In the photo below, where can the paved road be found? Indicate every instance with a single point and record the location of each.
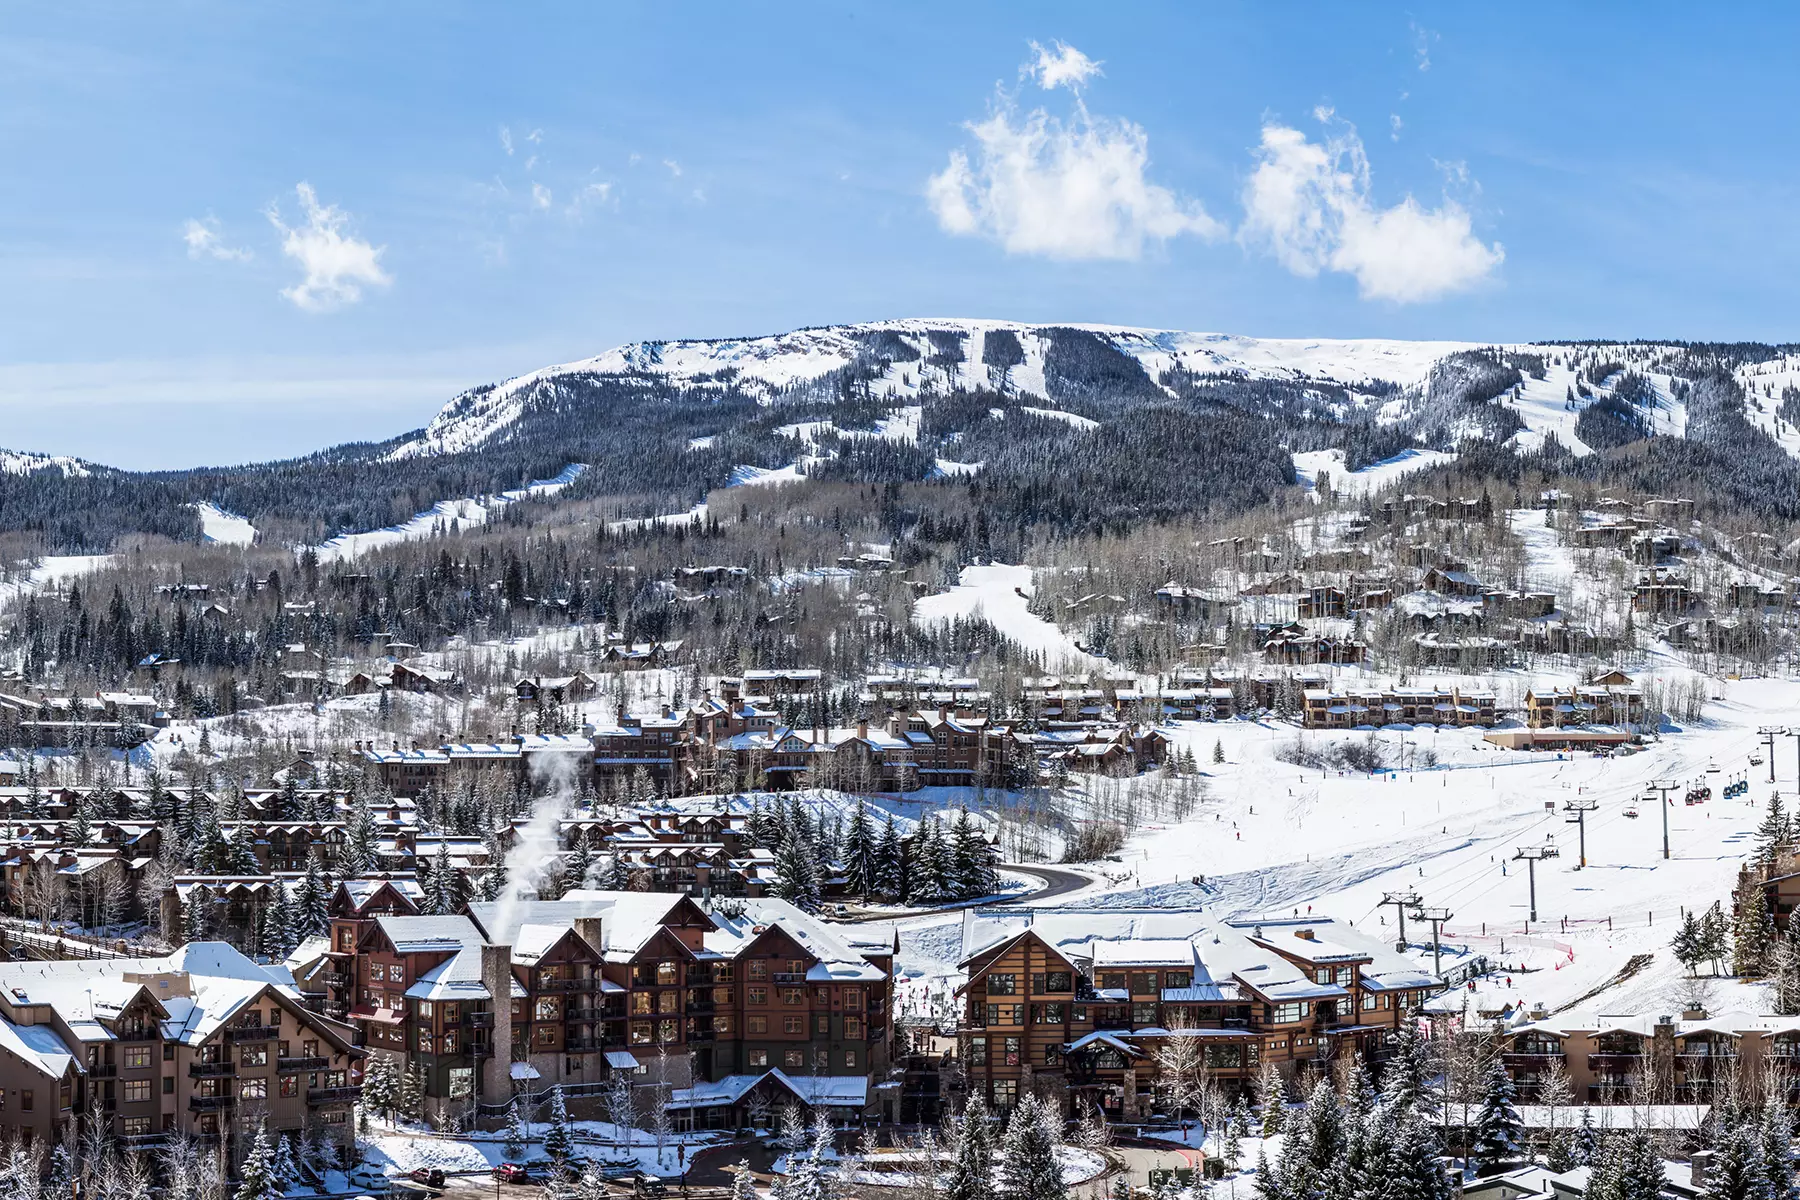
(1057, 882)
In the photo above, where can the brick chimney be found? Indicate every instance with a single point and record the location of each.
(1700, 1165)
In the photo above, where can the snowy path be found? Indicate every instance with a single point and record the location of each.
(999, 594)
(446, 516)
(229, 529)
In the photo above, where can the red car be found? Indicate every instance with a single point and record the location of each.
(511, 1172)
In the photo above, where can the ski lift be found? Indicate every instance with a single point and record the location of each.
(1712, 768)
(1756, 760)
(1632, 812)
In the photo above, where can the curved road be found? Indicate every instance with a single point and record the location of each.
(1057, 882)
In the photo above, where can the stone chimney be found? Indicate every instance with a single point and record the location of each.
(1305, 935)
(862, 729)
(496, 976)
(1700, 1165)
(588, 930)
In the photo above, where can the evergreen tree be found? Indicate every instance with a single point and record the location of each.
(1772, 834)
(743, 1183)
(256, 1177)
(1271, 1093)
(1405, 1076)
(1498, 1132)
(313, 918)
(1689, 943)
(1777, 1132)
(859, 853)
(1738, 1171)
(1413, 1168)
(196, 914)
(796, 873)
(515, 1131)
(972, 1172)
(285, 1169)
(1028, 1166)
(889, 863)
(380, 1090)
(1754, 931)
(442, 900)
(1584, 1147)
(559, 1140)
(1638, 1173)
(1218, 754)
(409, 1098)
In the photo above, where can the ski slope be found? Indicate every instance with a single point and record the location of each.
(1000, 595)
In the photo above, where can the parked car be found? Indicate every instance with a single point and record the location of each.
(431, 1177)
(512, 1172)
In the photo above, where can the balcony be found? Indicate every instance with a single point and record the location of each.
(480, 1049)
(699, 1006)
(102, 1070)
(787, 977)
(335, 978)
(1613, 1062)
(253, 1033)
(479, 1020)
(210, 1103)
(336, 1095)
(581, 1045)
(211, 1070)
(148, 1033)
(565, 985)
(303, 1064)
(582, 1014)
(143, 1141)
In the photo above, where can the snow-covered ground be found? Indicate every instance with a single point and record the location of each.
(446, 516)
(1308, 464)
(217, 525)
(1000, 594)
(1275, 839)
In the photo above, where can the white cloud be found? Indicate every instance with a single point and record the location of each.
(540, 196)
(1395, 125)
(205, 241)
(1060, 65)
(1422, 42)
(506, 142)
(334, 264)
(1308, 203)
(535, 136)
(531, 163)
(674, 167)
(1076, 189)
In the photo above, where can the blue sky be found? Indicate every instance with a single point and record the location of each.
(231, 232)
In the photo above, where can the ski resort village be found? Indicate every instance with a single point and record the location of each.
(1413, 808)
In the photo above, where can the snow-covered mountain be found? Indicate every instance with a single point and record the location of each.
(924, 355)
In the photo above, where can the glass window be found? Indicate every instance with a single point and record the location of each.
(759, 1058)
(757, 1024)
(1049, 1014)
(253, 1089)
(849, 1058)
(758, 995)
(1002, 985)
(668, 1002)
(1178, 979)
(548, 1008)
(759, 969)
(666, 974)
(425, 1008)
(793, 1024)
(978, 1052)
(462, 1081)
(137, 1057)
(793, 1058)
(853, 1028)
(668, 1031)
(1009, 1051)
(290, 1085)
(137, 1090)
(853, 997)
(137, 1126)
(256, 1056)
(793, 996)
(821, 1025)
(640, 1033)
(1143, 983)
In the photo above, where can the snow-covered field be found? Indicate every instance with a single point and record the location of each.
(1000, 594)
(446, 516)
(217, 525)
(1308, 464)
(1276, 839)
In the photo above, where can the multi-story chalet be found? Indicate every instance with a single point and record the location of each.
(1591, 704)
(1697, 1059)
(1323, 708)
(203, 1042)
(705, 1010)
(1087, 996)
